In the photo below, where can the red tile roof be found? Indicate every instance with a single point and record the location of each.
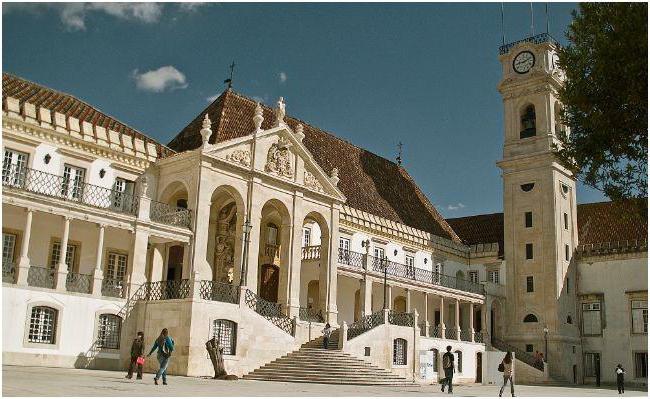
(371, 183)
(479, 229)
(41, 96)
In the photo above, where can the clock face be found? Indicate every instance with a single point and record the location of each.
(523, 62)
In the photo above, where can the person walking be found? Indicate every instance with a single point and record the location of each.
(327, 332)
(448, 367)
(137, 353)
(620, 379)
(506, 368)
(165, 345)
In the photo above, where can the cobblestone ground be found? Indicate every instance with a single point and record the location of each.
(43, 381)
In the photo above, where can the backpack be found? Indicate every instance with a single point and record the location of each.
(165, 350)
(447, 361)
(501, 367)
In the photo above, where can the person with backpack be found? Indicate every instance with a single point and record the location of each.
(620, 379)
(137, 359)
(165, 345)
(506, 368)
(327, 332)
(448, 367)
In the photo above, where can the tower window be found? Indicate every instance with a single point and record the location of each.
(527, 187)
(566, 221)
(529, 219)
(530, 318)
(529, 251)
(566, 252)
(529, 284)
(528, 123)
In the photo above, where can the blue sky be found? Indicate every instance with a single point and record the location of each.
(422, 74)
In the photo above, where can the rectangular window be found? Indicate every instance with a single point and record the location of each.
(73, 180)
(8, 248)
(379, 253)
(409, 260)
(529, 347)
(225, 332)
(493, 276)
(529, 251)
(641, 365)
(590, 364)
(566, 221)
(591, 319)
(529, 284)
(306, 236)
(122, 196)
(116, 267)
(14, 166)
(567, 285)
(473, 276)
(529, 219)
(271, 235)
(566, 252)
(639, 317)
(70, 255)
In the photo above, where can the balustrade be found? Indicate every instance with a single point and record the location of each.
(350, 258)
(272, 251)
(401, 318)
(311, 252)
(365, 323)
(171, 215)
(221, 292)
(478, 337)
(270, 311)
(465, 335)
(167, 289)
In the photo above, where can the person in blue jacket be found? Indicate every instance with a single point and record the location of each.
(165, 345)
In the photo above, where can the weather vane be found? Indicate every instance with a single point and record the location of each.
(399, 153)
(232, 69)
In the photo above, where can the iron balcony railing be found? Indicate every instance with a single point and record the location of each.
(401, 318)
(350, 258)
(166, 289)
(423, 329)
(221, 292)
(422, 275)
(537, 39)
(365, 323)
(171, 215)
(113, 287)
(478, 337)
(310, 314)
(82, 283)
(519, 354)
(8, 272)
(450, 333)
(61, 187)
(311, 252)
(465, 335)
(270, 311)
(435, 332)
(41, 277)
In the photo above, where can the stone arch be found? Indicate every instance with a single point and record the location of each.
(399, 304)
(531, 318)
(460, 275)
(173, 193)
(527, 121)
(318, 269)
(225, 234)
(274, 251)
(497, 319)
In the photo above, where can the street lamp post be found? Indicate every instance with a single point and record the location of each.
(546, 344)
(247, 227)
(384, 262)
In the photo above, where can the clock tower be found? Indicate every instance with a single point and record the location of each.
(539, 210)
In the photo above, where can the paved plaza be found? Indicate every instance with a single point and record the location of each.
(42, 381)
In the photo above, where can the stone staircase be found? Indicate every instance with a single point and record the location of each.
(313, 364)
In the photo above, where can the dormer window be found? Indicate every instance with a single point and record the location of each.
(528, 126)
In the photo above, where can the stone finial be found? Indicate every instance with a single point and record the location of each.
(143, 186)
(334, 176)
(206, 130)
(258, 118)
(280, 112)
(299, 132)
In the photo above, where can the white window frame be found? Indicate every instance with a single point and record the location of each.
(493, 276)
(14, 164)
(592, 306)
(72, 185)
(472, 275)
(71, 254)
(9, 241)
(639, 314)
(379, 252)
(109, 330)
(306, 236)
(117, 264)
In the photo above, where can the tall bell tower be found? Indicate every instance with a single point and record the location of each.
(539, 207)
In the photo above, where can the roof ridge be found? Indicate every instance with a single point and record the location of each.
(55, 91)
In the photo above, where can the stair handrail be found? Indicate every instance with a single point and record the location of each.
(519, 354)
(365, 324)
(270, 311)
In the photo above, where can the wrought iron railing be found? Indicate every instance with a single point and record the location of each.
(113, 287)
(450, 333)
(272, 251)
(350, 258)
(75, 282)
(401, 318)
(8, 272)
(478, 337)
(171, 215)
(221, 292)
(309, 314)
(50, 185)
(465, 335)
(423, 329)
(167, 289)
(311, 252)
(519, 354)
(537, 39)
(270, 311)
(435, 332)
(41, 277)
(365, 323)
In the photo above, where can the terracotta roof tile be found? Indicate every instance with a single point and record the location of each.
(480, 229)
(41, 96)
(371, 183)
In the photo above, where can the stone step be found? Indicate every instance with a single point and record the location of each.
(325, 369)
(338, 361)
(336, 364)
(330, 381)
(319, 374)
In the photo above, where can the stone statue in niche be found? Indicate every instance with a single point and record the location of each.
(224, 250)
(278, 160)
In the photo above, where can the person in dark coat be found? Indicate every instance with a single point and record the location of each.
(620, 379)
(448, 367)
(137, 350)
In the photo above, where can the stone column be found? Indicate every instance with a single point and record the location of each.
(138, 260)
(408, 300)
(187, 273)
(365, 296)
(485, 328)
(457, 319)
(199, 250)
(286, 249)
(22, 271)
(329, 261)
(252, 261)
(98, 273)
(389, 296)
(62, 267)
(157, 262)
(426, 314)
(471, 321)
(295, 259)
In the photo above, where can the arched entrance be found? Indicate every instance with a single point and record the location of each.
(225, 235)
(313, 292)
(269, 282)
(314, 262)
(175, 262)
(273, 252)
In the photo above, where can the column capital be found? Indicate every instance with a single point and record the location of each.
(101, 225)
(29, 209)
(67, 218)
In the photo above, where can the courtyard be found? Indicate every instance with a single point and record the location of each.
(45, 381)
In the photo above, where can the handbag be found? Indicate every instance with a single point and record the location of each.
(501, 367)
(140, 360)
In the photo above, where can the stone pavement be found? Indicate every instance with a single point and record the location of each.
(43, 381)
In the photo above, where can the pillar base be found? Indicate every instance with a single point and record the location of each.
(332, 318)
(21, 273)
(61, 277)
(293, 311)
(98, 279)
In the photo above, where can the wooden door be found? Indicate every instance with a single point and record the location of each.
(269, 280)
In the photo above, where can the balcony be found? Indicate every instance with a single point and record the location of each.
(170, 215)
(350, 258)
(272, 251)
(311, 252)
(53, 186)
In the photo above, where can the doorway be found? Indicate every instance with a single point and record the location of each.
(479, 367)
(175, 263)
(269, 281)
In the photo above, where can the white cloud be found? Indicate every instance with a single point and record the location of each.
(455, 207)
(191, 6)
(261, 99)
(159, 80)
(283, 77)
(212, 98)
